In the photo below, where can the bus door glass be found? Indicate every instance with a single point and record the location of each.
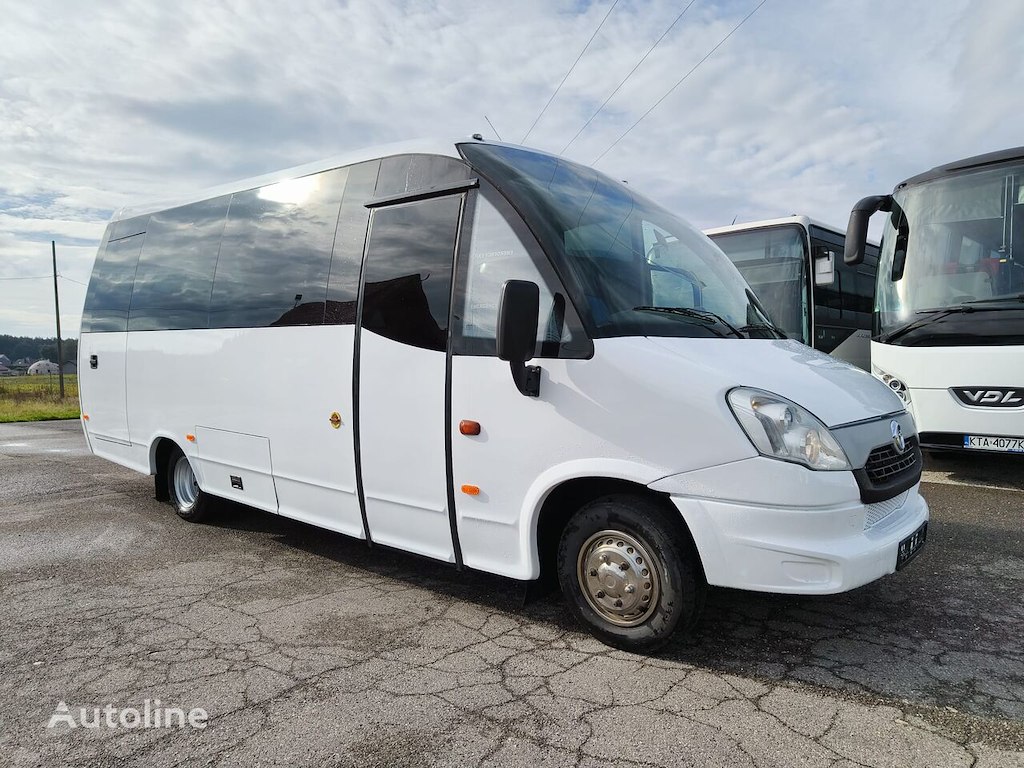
(401, 347)
(842, 309)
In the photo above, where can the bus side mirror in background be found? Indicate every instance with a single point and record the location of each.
(899, 258)
(517, 332)
(824, 265)
(857, 230)
(899, 254)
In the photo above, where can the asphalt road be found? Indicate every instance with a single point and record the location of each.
(304, 647)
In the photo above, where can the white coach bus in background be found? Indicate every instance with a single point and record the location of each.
(500, 359)
(949, 309)
(794, 265)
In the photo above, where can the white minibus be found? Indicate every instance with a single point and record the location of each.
(948, 333)
(500, 359)
(795, 267)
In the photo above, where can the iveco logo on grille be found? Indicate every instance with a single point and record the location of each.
(991, 397)
(898, 441)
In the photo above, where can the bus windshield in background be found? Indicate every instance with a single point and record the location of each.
(965, 246)
(773, 261)
(633, 268)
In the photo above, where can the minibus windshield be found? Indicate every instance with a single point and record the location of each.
(632, 268)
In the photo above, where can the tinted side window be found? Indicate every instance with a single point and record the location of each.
(276, 252)
(110, 287)
(175, 274)
(343, 286)
(851, 294)
(407, 173)
(408, 272)
(126, 227)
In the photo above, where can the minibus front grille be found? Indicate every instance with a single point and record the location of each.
(885, 462)
(889, 472)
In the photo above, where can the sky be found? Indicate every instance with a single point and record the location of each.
(808, 106)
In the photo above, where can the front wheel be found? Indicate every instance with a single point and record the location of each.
(630, 573)
(183, 489)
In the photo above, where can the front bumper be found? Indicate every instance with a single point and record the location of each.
(791, 542)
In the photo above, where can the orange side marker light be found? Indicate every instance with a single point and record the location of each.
(85, 417)
(190, 438)
(468, 427)
(471, 490)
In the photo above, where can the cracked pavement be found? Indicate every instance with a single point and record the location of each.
(308, 648)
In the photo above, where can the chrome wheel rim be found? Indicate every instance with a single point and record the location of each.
(618, 577)
(186, 489)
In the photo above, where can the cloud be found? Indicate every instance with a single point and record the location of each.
(805, 109)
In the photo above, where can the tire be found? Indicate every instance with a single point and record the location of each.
(630, 573)
(187, 498)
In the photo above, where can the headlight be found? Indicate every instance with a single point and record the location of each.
(893, 383)
(781, 429)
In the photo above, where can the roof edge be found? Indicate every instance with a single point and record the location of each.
(445, 147)
(966, 164)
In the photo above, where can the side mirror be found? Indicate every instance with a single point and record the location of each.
(899, 256)
(857, 229)
(824, 265)
(899, 259)
(517, 332)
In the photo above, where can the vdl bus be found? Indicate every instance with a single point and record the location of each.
(948, 333)
(499, 359)
(794, 267)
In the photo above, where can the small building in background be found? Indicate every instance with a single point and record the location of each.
(42, 367)
(70, 367)
(5, 361)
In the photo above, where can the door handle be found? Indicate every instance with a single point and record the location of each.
(93, 361)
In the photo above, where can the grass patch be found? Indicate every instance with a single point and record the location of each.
(37, 398)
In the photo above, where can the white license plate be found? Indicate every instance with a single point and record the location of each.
(989, 443)
(910, 547)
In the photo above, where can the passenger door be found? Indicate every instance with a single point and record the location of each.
(842, 310)
(401, 373)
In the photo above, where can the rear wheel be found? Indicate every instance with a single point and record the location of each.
(630, 573)
(183, 489)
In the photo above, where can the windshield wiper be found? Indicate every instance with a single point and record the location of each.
(756, 303)
(1013, 298)
(933, 315)
(763, 327)
(937, 313)
(698, 314)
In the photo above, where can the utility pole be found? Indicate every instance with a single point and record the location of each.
(56, 303)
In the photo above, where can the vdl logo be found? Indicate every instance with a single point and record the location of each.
(990, 397)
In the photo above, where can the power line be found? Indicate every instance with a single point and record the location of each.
(680, 82)
(46, 277)
(493, 128)
(585, 47)
(634, 69)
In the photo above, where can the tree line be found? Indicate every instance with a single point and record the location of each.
(34, 348)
